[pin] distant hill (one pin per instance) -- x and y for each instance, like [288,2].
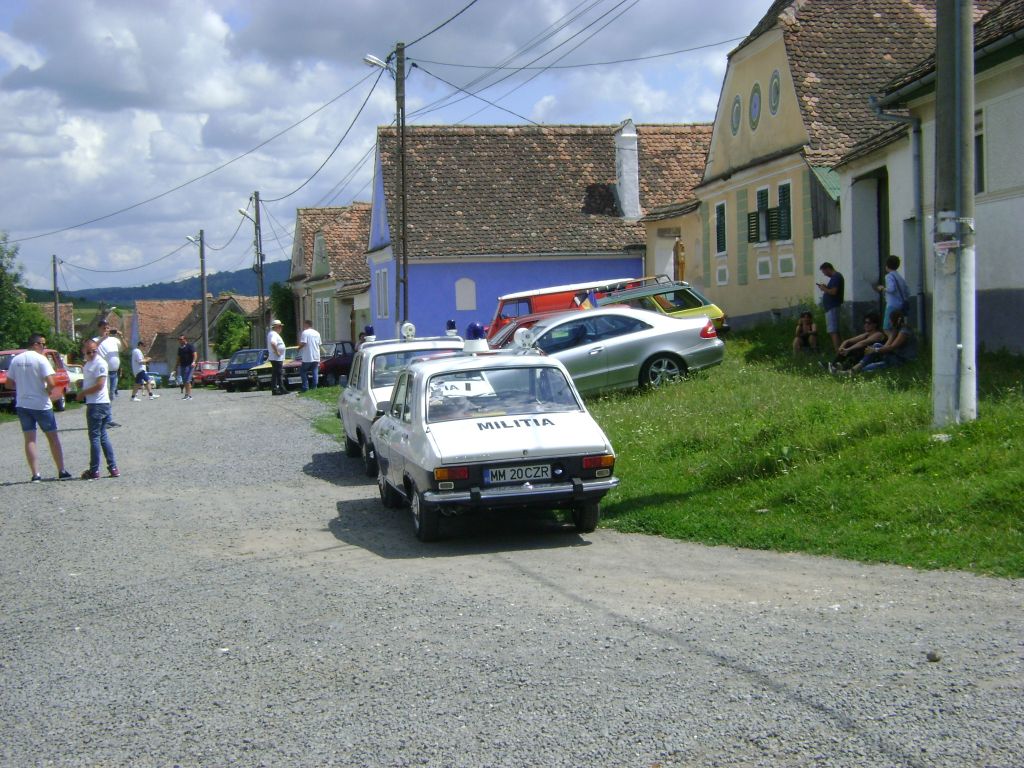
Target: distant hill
[242,282]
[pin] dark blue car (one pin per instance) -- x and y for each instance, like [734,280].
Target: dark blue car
[236,374]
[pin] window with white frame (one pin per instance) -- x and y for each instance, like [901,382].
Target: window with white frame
[722,271]
[787,264]
[764,266]
[383,302]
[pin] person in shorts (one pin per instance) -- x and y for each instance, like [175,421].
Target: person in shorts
[186,363]
[34,378]
[805,337]
[831,300]
[142,379]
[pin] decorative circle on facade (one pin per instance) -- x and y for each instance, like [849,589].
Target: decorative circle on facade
[755,106]
[737,114]
[774,92]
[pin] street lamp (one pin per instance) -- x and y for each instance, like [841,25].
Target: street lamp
[258,266]
[201,242]
[401,254]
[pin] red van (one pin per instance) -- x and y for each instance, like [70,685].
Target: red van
[554,299]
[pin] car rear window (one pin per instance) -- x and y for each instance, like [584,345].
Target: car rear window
[519,391]
[387,365]
[5,362]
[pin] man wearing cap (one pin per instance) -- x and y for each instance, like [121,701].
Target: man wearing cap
[275,348]
[186,360]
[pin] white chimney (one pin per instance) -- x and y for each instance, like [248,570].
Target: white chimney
[627,170]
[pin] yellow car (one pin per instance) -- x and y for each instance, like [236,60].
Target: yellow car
[668,297]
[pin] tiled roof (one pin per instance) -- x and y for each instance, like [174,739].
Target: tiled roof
[67,314]
[476,190]
[672,159]
[841,51]
[160,316]
[1003,20]
[192,324]
[346,233]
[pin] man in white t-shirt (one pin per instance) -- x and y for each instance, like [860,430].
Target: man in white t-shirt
[97,411]
[275,348]
[33,378]
[309,347]
[110,348]
[139,361]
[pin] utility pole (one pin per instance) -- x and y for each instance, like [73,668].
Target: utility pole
[258,266]
[56,300]
[403,280]
[202,284]
[954,359]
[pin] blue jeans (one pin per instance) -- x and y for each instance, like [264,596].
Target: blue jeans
[112,383]
[310,371]
[97,416]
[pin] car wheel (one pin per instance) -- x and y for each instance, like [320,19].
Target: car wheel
[331,379]
[60,404]
[230,388]
[389,497]
[585,516]
[352,448]
[426,517]
[660,369]
[369,457]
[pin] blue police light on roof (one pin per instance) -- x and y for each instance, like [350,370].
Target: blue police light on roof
[368,330]
[450,329]
[476,338]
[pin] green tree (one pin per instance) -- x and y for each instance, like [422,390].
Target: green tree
[19,319]
[232,334]
[283,303]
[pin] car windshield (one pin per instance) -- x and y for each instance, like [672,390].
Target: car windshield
[519,391]
[387,365]
[247,356]
[326,349]
[5,362]
[291,353]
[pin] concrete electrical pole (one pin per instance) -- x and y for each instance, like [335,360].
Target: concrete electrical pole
[954,363]
[56,300]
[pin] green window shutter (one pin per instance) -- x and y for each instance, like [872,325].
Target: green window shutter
[785,217]
[773,224]
[762,199]
[720,228]
[753,228]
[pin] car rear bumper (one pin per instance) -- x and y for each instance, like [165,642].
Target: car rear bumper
[519,495]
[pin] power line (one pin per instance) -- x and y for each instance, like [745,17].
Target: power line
[197,178]
[442,24]
[591,63]
[362,106]
[475,95]
[128,269]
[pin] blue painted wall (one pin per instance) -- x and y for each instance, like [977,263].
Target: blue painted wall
[432,286]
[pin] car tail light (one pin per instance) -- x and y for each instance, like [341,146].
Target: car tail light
[599,462]
[451,473]
[708,331]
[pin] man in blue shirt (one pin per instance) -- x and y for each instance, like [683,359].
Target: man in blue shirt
[831,300]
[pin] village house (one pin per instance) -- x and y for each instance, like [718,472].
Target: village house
[496,209]
[329,277]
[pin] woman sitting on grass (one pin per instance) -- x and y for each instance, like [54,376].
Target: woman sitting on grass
[852,349]
[899,349]
[806,335]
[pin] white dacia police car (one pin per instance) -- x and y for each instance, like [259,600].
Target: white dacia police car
[374,371]
[490,431]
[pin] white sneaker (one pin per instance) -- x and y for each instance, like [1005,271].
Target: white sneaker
[153,397]
[136,400]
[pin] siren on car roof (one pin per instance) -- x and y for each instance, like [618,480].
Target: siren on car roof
[408,330]
[450,329]
[476,338]
[524,338]
[369,334]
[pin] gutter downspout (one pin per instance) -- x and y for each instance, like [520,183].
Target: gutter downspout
[915,145]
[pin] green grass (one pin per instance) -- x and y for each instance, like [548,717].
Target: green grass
[328,423]
[771,453]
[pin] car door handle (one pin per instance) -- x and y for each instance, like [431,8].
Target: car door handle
[596,350]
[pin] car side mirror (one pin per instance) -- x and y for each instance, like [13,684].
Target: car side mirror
[381,410]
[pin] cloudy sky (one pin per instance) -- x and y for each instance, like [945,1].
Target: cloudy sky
[126,125]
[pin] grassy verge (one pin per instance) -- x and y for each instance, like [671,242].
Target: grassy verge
[328,423]
[771,453]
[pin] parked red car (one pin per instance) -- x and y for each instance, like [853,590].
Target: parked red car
[205,373]
[335,361]
[57,394]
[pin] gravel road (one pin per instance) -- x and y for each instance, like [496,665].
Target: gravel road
[240,597]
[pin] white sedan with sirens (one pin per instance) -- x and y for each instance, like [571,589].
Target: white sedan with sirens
[491,431]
